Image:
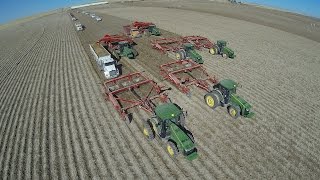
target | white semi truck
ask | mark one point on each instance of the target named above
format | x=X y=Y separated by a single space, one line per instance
x=104 y=60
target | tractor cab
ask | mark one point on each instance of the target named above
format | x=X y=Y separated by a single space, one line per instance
x=154 y=30
x=221 y=43
x=167 y=114
x=123 y=45
x=188 y=47
x=227 y=87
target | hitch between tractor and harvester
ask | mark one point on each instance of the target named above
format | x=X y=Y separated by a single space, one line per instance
x=166 y=120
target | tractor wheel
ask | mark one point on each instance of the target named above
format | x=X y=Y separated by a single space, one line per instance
x=172 y=149
x=225 y=56
x=234 y=111
x=135 y=53
x=181 y=54
x=214 y=50
x=148 y=131
x=212 y=99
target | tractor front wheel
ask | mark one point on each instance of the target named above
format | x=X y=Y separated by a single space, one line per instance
x=234 y=111
x=172 y=149
x=225 y=56
x=147 y=130
x=212 y=100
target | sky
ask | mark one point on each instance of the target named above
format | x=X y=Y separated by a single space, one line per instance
x=15 y=9
x=306 y=7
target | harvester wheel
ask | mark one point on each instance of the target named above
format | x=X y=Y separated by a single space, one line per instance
x=172 y=149
x=214 y=50
x=212 y=99
x=148 y=131
x=234 y=111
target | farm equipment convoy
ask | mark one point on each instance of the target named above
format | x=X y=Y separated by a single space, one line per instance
x=220 y=47
x=166 y=119
x=181 y=50
x=136 y=29
x=119 y=46
x=184 y=74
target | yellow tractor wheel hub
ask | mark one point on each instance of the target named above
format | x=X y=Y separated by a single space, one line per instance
x=145 y=132
x=170 y=150
x=210 y=101
x=178 y=56
x=212 y=51
x=233 y=112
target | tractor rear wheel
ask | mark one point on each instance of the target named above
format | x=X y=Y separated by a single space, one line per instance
x=212 y=99
x=182 y=120
x=148 y=131
x=234 y=111
x=172 y=149
x=213 y=50
x=181 y=54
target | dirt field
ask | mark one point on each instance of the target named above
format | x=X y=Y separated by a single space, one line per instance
x=55 y=123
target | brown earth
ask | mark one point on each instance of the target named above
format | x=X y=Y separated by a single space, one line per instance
x=55 y=123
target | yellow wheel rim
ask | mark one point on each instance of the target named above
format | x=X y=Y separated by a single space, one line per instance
x=211 y=51
x=210 y=101
x=178 y=56
x=170 y=150
x=233 y=112
x=145 y=132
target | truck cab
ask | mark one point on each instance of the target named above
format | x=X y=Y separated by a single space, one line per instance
x=109 y=68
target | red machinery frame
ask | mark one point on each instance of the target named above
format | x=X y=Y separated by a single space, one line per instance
x=140 y=26
x=116 y=88
x=199 y=42
x=112 y=40
x=167 y=44
x=187 y=73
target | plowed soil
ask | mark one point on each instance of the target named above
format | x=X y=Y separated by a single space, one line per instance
x=56 y=124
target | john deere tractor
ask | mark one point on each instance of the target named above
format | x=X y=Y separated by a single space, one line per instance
x=153 y=30
x=125 y=49
x=188 y=51
x=168 y=124
x=224 y=94
x=222 y=49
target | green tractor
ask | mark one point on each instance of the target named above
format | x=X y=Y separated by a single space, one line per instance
x=222 y=49
x=168 y=124
x=125 y=50
x=224 y=94
x=153 y=30
x=188 y=51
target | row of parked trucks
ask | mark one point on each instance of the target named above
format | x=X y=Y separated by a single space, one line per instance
x=167 y=119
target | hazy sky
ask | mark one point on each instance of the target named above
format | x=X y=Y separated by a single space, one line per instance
x=14 y=9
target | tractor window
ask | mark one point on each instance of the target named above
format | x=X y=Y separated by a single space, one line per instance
x=109 y=63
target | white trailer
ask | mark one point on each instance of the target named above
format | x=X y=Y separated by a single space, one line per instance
x=104 y=60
